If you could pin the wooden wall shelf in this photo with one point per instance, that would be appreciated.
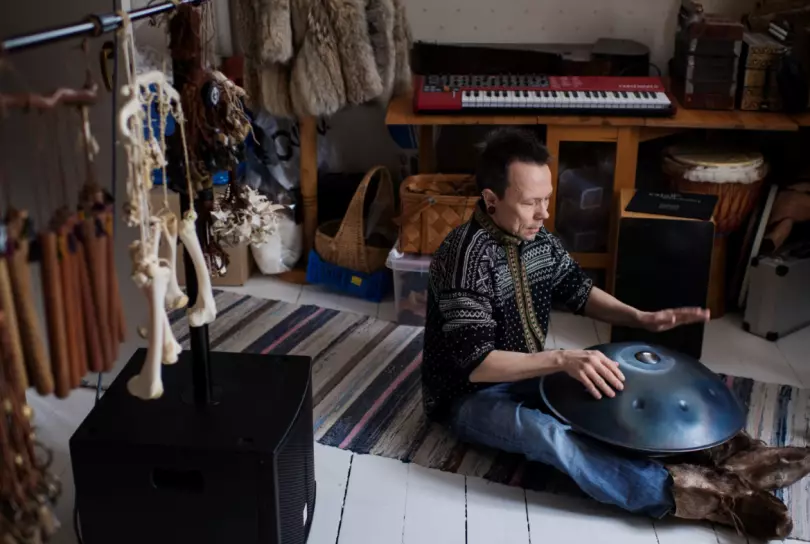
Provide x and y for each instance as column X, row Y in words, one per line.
column 626, row 132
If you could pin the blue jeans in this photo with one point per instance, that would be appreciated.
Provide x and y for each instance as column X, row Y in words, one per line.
column 506, row 417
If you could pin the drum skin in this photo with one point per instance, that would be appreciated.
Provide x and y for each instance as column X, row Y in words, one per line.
column 671, row 403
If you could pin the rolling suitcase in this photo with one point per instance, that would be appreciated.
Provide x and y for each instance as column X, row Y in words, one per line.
column 779, row 295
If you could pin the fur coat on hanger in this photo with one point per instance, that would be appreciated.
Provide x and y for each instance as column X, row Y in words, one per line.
column 313, row 57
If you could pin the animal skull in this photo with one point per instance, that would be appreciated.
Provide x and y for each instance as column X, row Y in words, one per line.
column 204, row 310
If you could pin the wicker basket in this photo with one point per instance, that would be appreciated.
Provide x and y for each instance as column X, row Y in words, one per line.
column 432, row 206
column 345, row 244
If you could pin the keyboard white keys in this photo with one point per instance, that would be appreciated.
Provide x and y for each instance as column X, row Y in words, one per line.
column 563, row 101
column 661, row 100
column 467, row 99
column 644, row 100
column 533, row 93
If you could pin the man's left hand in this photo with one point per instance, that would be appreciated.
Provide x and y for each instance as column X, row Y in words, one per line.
column 665, row 320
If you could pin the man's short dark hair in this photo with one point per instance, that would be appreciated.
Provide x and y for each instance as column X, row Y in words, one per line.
column 502, row 147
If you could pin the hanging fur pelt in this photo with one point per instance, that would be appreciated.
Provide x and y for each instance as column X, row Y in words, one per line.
column 314, row 57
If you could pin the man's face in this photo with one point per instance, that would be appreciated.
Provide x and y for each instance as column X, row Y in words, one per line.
column 524, row 205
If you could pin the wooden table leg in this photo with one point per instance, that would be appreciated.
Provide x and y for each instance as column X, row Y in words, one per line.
column 624, row 177
column 308, row 133
column 626, row 160
column 553, row 146
column 308, row 161
column 427, row 150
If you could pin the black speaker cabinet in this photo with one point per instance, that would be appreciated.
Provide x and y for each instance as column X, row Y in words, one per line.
column 167, row 471
column 662, row 262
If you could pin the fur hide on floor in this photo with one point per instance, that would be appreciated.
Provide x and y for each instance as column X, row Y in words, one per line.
column 314, row 57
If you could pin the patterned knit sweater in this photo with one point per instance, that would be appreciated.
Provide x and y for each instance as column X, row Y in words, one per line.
column 489, row 290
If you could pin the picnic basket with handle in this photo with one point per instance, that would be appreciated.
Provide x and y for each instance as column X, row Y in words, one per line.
column 346, row 243
column 432, row 206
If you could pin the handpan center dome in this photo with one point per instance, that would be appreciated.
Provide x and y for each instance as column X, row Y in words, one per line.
column 671, row 403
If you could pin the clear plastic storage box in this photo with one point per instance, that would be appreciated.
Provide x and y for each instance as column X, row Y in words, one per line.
column 410, row 286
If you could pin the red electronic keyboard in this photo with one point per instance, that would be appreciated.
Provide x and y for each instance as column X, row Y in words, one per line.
column 539, row 94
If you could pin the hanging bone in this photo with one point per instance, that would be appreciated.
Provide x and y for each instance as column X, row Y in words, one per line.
column 204, row 310
column 171, row 347
column 153, row 279
column 175, row 297
column 144, row 156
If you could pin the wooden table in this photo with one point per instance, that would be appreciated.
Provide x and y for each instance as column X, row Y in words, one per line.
column 625, row 132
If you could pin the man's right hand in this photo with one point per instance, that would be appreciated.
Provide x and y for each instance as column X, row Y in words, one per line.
column 597, row 373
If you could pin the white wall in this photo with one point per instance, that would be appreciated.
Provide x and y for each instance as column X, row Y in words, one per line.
column 651, row 22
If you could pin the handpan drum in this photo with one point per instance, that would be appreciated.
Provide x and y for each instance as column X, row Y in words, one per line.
column 671, row 403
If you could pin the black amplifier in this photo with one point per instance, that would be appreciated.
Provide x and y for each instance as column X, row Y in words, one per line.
column 167, row 471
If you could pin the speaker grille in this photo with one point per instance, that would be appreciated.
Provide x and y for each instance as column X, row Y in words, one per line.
column 296, row 477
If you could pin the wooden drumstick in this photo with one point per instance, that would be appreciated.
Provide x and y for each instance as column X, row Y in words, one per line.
column 14, row 355
column 95, row 353
column 36, row 358
column 117, row 325
column 55, row 314
column 95, row 255
column 69, row 308
column 81, row 335
column 109, row 328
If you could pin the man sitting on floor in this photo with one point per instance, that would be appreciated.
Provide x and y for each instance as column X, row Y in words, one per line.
column 492, row 285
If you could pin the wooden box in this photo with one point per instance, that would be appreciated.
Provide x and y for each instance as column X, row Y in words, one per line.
column 758, row 90
column 694, row 23
column 760, row 51
column 757, row 99
column 705, row 68
column 713, row 95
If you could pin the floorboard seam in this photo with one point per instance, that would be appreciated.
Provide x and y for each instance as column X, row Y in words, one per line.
column 345, row 494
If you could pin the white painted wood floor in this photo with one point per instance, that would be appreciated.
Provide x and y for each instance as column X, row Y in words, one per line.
column 364, row 499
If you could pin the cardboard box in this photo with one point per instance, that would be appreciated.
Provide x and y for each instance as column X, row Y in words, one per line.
column 241, row 263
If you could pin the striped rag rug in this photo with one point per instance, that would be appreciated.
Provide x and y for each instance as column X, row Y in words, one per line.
column 367, row 396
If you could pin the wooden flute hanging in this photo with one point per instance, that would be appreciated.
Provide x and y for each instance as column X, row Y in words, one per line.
column 61, row 228
column 27, row 354
column 97, row 238
column 84, row 315
column 37, row 363
column 14, row 360
column 74, row 326
column 52, row 290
